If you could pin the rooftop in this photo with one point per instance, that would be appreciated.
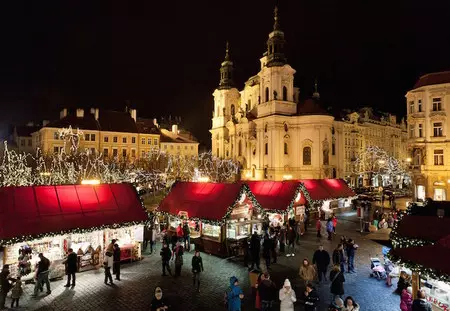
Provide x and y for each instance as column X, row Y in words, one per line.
column 433, row 79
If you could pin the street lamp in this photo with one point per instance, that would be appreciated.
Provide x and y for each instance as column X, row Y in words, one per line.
column 409, row 160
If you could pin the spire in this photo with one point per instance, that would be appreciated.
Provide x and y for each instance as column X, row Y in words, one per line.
column 276, row 25
column 275, row 44
column 316, row 94
column 226, row 71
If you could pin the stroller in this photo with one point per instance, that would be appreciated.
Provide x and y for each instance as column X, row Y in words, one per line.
column 378, row 270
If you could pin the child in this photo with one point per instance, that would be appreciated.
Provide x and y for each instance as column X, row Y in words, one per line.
column 16, row 292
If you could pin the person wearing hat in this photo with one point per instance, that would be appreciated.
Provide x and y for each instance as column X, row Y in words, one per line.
column 234, row 295
column 287, row 297
column 158, row 303
column 337, row 305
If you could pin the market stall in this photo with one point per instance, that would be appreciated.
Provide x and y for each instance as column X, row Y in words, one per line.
column 421, row 243
column 224, row 215
column 52, row 219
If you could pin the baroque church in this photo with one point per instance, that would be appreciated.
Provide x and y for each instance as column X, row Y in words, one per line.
column 266, row 128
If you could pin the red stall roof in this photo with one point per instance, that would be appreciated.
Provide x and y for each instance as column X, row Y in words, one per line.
column 430, row 228
column 316, row 189
column 275, row 195
column 209, row 201
column 431, row 256
column 338, row 188
column 31, row 212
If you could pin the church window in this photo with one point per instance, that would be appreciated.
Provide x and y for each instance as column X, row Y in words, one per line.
column 333, row 148
column 306, row 155
column 253, row 172
column 265, row 173
column 232, row 110
column 249, row 104
column 334, row 172
column 240, row 148
column 217, row 152
column 267, row 94
column 285, row 127
column 285, row 93
column 266, row 148
column 285, row 148
column 228, row 153
column 265, row 128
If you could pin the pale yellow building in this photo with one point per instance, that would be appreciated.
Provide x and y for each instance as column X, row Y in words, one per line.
column 174, row 143
column 428, row 105
column 110, row 133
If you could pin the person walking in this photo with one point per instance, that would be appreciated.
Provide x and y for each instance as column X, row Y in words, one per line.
column 153, row 237
column 311, row 298
column 266, row 249
column 287, row 297
column 319, row 228
column 291, row 235
column 158, row 303
column 71, row 267
column 339, row 257
column 267, row 293
column 5, row 285
column 406, row 299
column 197, row 268
column 307, row 271
column 116, row 263
column 337, row 282
column 16, row 292
column 273, row 245
column 421, row 303
column 187, row 236
column 42, row 275
column 147, row 237
column 180, row 233
column 351, row 249
column 165, row 254
column 255, row 250
column 321, row 259
column 178, row 257
column 257, row 297
column 330, row 228
column 335, row 221
column 234, row 295
column 282, row 238
column 108, row 263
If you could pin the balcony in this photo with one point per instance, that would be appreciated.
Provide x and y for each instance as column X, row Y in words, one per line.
column 417, row 115
column 435, row 113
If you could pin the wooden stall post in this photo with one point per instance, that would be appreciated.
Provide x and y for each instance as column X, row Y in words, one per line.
column 415, row 284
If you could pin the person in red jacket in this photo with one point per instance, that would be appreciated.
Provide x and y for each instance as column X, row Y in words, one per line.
column 180, row 233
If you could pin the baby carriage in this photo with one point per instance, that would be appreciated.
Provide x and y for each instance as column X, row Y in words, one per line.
column 378, row 270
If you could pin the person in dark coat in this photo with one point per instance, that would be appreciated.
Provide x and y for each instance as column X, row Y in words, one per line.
column 267, row 293
column 274, row 243
column 5, row 285
column 311, row 298
column 337, row 282
column 321, row 259
column 421, row 303
column 71, row 267
column 158, row 303
column 147, row 236
column 338, row 257
column 187, row 236
column 351, row 249
column 291, row 241
column 116, row 264
column 166, row 254
column 197, row 268
column 255, row 250
column 267, row 246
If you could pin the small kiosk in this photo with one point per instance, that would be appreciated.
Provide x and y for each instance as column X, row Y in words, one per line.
column 421, row 243
column 52, row 219
column 223, row 215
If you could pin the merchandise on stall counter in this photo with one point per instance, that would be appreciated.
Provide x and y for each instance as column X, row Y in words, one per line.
column 438, row 293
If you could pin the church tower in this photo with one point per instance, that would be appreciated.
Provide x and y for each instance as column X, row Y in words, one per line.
column 277, row 90
column 226, row 105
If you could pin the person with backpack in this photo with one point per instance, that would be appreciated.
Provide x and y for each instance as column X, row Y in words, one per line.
column 234, row 295
column 267, row 293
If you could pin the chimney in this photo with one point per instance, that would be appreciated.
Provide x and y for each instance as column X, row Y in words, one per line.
column 95, row 112
column 155, row 122
column 63, row 113
column 46, row 122
column 80, row 113
column 133, row 114
column 175, row 129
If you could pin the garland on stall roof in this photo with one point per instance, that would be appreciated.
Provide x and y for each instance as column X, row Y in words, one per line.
column 428, row 272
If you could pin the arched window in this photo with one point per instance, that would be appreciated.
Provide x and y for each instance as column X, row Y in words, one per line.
column 217, row 154
column 306, row 155
column 285, row 148
column 334, row 173
column 265, row 128
column 265, row 173
column 232, row 110
column 267, row 94
column 285, row 93
column 253, row 172
column 240, row 148
column 285, row 127
column 266, row 148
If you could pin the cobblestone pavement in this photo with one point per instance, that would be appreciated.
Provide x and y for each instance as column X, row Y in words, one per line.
column 139, row 279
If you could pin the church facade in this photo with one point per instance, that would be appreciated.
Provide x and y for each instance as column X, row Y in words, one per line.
column 268, row 130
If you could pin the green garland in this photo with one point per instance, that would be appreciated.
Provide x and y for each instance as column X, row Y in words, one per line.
column 25, row 238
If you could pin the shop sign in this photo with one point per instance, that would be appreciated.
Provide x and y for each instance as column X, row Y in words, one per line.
column 183, row 214
column 444, row 306
column 242, row 210
column 300, row 210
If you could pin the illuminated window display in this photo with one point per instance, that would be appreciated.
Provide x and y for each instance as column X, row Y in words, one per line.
column 211, row 230
column 438, row 293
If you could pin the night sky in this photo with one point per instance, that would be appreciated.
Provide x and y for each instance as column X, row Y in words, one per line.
column 164, row 56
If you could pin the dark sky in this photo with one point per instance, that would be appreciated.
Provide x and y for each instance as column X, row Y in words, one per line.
column 164, row 56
